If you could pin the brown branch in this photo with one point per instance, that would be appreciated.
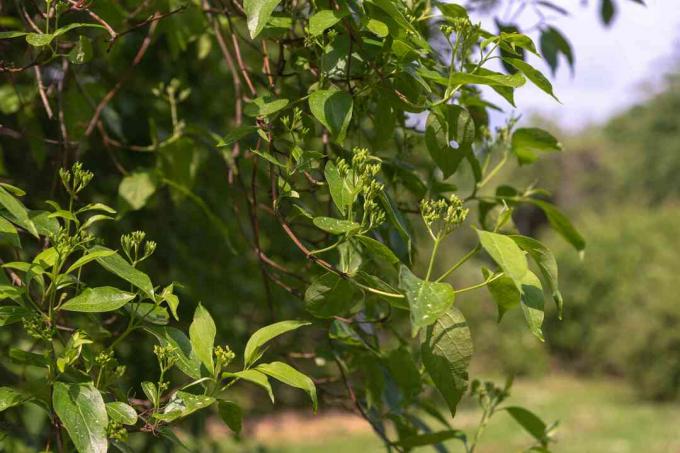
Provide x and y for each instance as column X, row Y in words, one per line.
column 113, row 91
column 41, row 90
column 78, row 6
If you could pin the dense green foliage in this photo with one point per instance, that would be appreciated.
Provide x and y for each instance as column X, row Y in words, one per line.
column 293, row 160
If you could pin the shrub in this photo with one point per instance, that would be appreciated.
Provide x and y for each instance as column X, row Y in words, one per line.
column 620, row 300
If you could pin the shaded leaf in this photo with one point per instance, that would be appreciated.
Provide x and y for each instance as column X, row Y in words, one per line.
column 333, row 109
column 330, row 295
column 446, row 354
column 231, row 414
column 527, row 142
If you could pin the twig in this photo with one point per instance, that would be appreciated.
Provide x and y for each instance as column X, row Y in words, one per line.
column 41, row 90
column 112, row 92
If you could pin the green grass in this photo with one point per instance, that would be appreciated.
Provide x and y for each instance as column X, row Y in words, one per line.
column 595, row 416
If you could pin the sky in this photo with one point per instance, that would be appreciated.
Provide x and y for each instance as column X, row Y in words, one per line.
column 616, row 67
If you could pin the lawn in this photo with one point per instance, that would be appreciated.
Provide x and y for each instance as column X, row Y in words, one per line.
column 596, row 415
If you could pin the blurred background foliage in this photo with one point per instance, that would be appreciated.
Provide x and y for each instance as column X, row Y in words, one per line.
column 620, row 181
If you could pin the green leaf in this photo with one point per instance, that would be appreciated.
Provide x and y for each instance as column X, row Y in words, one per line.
column 325, row 19
column 39, row 39
column 10, row 314
column 81, row 409
column 258, row 339
column 427, row 300
column 607, row 11
column 342, row 194
column 115, row 264
column 504, row 292
column 529, row 421
column 532, row 303
column 561, row 224
column 91, row 255
column 202, row 334
column 290, row 376
column 527, row 142
column 330, row 295
column 449, row 134
column 452, row 10
column 231, row 414
column 149, row 389
column 404, row 371
column 533, row 74
column 171, row 299
column 422, row 440
column 182, row 404
column 336, row 226
column 155, row 314
column 333, row 109
column 378, row 28
column 488, row 78
column 264, row 106
column 185, row 358
column 236, row 134
column 19, row 214
column 395, row 13
column 9, row 234
column 553, row 43
column 98, row 300
column 506, row 253
column 547, row 264
column 136, row 189
column 378, row 249
column 256, row 377
column 81, row 52
column 12, row 34
column 120, row 412
column 446, row 354
column 258, row 13
column 10, row 397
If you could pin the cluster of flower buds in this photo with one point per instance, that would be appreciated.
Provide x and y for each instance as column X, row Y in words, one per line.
column 116, row 431
column 75, row 179
column 295, row 124
column 36, row 327
column 132, row 244
column 361, row 174
column 166, row 356
column 444, row 215
column 466, row 34
column 224, row 356
column 64, row 241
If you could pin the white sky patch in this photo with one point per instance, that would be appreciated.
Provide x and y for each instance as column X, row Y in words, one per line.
column 615, row 67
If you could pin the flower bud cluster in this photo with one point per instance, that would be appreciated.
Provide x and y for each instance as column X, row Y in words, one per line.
column 362, row 173
column 75, row 179
column 443, row 216
column 224, row 355
column 36, row 327
column 132, row 244
column 166, row 356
